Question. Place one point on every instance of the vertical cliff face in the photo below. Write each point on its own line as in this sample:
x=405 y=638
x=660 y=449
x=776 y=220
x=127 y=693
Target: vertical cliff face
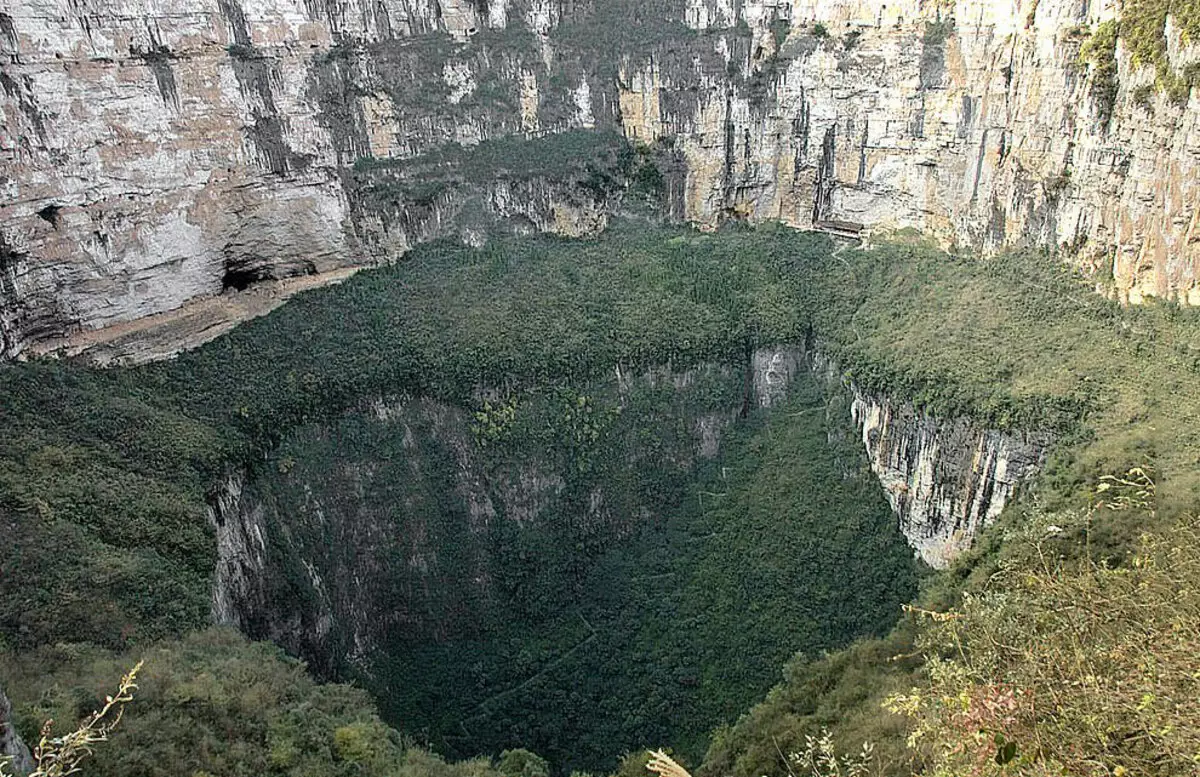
x=11 y=745
x=976 y=121
x=157 y=156
x=151 y=155
x=945 y=478
x=410 y=519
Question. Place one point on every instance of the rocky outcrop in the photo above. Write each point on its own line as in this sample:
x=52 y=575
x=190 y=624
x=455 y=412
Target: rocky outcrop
x=945 y=478
x=11 y=745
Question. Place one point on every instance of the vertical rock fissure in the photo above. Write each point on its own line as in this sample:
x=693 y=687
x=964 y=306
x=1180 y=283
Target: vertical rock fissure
x=826 y=180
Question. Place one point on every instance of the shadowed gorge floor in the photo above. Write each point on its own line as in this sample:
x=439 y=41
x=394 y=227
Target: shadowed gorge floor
x=623 y=589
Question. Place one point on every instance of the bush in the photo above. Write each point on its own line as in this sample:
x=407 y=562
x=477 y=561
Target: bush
x=1100 y=51
x=214 y=703
x=1069 y=668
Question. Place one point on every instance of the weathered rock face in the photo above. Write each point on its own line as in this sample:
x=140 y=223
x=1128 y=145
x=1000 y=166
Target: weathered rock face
x=157 y=155
x=972 y=120
x=11 y=745
x=945 y=479
x=154 y=156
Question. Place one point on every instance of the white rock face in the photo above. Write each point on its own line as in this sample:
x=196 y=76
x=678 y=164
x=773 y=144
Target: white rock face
x=773 y=370
x=12 y=748
x=240 y=526
x=131 y=185
x=945 y=479
x=156 y=153
x=983 y=132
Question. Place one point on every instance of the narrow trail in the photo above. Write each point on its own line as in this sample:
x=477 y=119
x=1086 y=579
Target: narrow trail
x=481 y=708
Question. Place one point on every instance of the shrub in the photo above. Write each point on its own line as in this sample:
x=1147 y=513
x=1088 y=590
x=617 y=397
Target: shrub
x=937 y=32
x=522 y=763
x=1100 y=51
x=1070 y=668
x=1143 y=97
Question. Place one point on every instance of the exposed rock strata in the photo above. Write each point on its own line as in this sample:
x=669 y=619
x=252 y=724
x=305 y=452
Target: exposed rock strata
x=157 y=155
x=397 y=520
x=945 y=478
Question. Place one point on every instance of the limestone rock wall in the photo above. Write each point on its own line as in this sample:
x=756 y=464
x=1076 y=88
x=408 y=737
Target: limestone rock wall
x=971 y=119
x=945 y=478
x=157 y=154
x=11 y=745
x=154 y=155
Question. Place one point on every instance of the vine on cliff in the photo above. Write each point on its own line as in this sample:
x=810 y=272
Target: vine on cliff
x=1100 y=51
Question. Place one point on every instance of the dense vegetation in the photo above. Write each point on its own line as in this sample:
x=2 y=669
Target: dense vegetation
x=1142 y=28
x=649 y=619
x=114 y=466
x=215 y=704
x=1070 y=667
x=103 y=475
x=596 y=163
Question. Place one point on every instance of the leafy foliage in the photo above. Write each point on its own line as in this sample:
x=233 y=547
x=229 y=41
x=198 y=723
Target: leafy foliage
x=1068 y=667
x=606 y=630
x=214 y=703
x=593 y=160
x=895 y=317
x=1143 y=26
x=1100 y=51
